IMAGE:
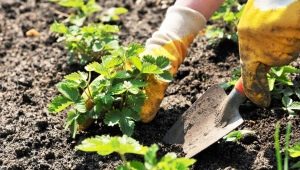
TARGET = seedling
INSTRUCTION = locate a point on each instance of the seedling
(285, 164)
(83, 9)
(227, 17)
(235, 75)
(87, 43)
(117, 93)
(236, 136)
(113, 14)
(280, 85)
(105, 145)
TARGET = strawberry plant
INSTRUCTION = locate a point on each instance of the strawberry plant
(280, 85)
(105, 145)
(116, 94)
(112, 14)
(225, 22)
(235, 75)
(83, 9)
(87, 43)
(238, 135)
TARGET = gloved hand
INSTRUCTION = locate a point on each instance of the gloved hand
(179, 28)
(269, 35)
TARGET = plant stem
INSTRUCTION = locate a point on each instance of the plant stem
(287, 142)
(123, 158)
(88, 87)
(277, 146)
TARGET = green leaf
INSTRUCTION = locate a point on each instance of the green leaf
(80, 78)
(170, 161)
(122, 75)
(118, 89)
(71, 3)
(138, 83)
(58, 28)
(127, 126)
(123, 118)
(150, 157)
(124, 167)
(134, 90)
(97, 46)
(237, 135)
(77, 20)
(286, 101)
(105, 145)
(134, 50)
(212, 32)
(165, 76)
(294, 106)
(68, 91)
(151, 69)
(77, 76)
(80, 106)
(105, 99)
(136, 62)
(297, 92)
(58, 104)
(111, 62)
(131, 114)
(90, 8)
(287, 91)
(296, 165)
(72, 123)
(149, 59)
(120, 10)
(295, 150)
(95, 112)
(136, 165)
(163, 62)
(112, 118)
(112, 14)
(98, 85)
(98, 68)
(271, 82)
(290, 69)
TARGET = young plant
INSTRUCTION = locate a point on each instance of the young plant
(105, 145)
(83, 9)
(285, 164)
(280, 85)
(87, 43)
(225, 22)
(237, 135)
(117, 93)
(235, 75)
(113, 14)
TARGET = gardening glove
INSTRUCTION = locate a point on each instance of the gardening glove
(180, 26)
(269, 35)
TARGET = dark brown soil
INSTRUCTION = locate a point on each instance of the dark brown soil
(30, 138)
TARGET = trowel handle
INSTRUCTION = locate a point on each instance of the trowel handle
(239, 87)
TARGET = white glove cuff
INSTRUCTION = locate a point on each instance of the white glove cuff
(179, 22)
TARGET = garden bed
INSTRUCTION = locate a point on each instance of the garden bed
(31, 138)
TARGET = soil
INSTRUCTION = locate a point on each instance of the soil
(31, 138)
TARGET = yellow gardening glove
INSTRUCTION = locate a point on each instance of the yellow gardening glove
(180, 26)
(269, 35)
